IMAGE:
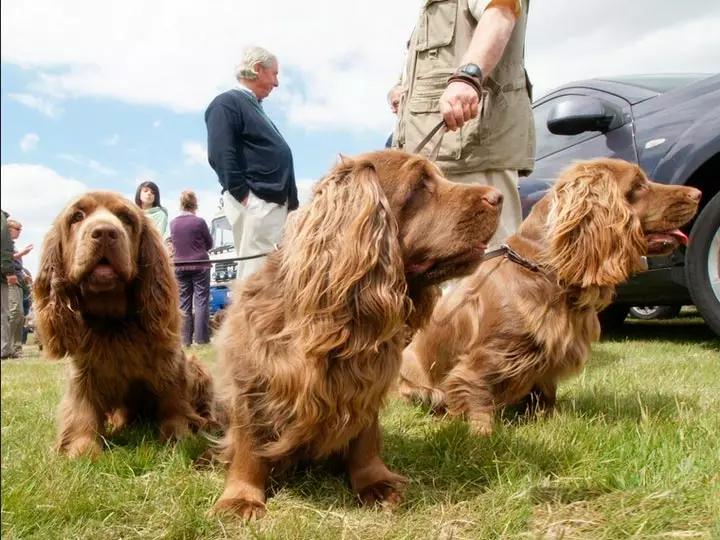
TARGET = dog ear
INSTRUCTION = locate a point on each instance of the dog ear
(342, 266)
(57, 318)
(595, 238)
(157, 297)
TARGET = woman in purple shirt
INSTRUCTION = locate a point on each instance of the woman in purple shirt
(191, 241)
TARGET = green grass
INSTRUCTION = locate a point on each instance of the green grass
(632, 452)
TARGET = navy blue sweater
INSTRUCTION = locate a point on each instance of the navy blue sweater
(247, 151)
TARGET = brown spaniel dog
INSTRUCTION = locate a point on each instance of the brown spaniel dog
(106, 296)
(313, 340)
(506, 330)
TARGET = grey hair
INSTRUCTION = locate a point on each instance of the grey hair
(253, 55)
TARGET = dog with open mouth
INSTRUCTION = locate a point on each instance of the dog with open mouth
(508, 333)
(105, 295)
(312, 341)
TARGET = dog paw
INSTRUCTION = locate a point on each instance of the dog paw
(174, 429)
(82, 446)
(243, 508)
(387, 493)
(117, 421)
(481, 424)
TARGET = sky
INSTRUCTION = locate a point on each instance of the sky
(105, 95)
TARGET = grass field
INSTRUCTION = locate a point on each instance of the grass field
(632, 452)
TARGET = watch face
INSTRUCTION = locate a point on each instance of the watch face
(471, 69)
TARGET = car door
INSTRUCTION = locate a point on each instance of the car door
(555, 152)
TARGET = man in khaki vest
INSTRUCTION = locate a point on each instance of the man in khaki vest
(459, 51)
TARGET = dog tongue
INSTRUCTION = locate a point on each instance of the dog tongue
(103, 271)
(677, 233)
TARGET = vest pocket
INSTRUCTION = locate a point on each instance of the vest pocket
(423, 115)
(436, 27)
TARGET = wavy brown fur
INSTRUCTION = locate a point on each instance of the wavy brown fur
(106, 296)
(313, 340)
(507, 334)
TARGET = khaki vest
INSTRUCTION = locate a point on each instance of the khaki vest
(505, 138)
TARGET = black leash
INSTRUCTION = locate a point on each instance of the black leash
(510, 254)
(224, 260)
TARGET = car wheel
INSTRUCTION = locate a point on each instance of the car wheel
(648, 313)
(613, 317)
(702, 263)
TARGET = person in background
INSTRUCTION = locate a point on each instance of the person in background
(27, 301)
(17, 291)
(253, 162)
(191, 241)
(147, 197)
(9, 278)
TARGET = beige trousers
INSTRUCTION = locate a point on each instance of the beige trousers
(257, 228)
(17, 316)
(507, 182)
(511, 216)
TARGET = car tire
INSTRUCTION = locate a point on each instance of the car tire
(649, 313)
(612, 318)
(702, 263)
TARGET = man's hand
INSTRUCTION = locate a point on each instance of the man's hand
(12, 279)
(458, 104)
(27, 250)
(394, 97)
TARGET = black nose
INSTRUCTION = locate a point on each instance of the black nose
(493, 197)
(104, 234)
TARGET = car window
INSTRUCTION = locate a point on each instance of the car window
(548, 143)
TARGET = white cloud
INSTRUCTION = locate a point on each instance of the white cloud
(180, 58)
(29, 142)
(112, 140)
(337, 59)
(46, 107)
(21, 184)
(90, 163)
(195, 153)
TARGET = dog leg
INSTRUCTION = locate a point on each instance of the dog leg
(546, 396)
(174, 412)
(369, 476)
(80, 426)
(247, 477)
(468, 394)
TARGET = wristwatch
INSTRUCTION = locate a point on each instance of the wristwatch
(469, 74)
(471, 69)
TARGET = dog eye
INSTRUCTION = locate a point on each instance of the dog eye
(77, 217)
(125, 218)
(637, 191)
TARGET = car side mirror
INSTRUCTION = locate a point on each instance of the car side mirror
(578, 114)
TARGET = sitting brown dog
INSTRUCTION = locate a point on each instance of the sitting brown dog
(106, 296)
(312, 341)
(508, 330)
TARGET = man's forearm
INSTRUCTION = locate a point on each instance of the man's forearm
(490, 38)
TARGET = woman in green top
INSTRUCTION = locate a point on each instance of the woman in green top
(147, 197)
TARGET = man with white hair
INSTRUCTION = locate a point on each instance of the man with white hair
(253, 161)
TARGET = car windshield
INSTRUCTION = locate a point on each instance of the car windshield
(660, 83)
(221, 232)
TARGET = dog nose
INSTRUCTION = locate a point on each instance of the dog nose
(493, 197)
(104, 234)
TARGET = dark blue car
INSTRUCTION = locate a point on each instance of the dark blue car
(670, 126)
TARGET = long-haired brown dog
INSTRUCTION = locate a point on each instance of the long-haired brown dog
(313, 340)
(506, 330)
(106, 296)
